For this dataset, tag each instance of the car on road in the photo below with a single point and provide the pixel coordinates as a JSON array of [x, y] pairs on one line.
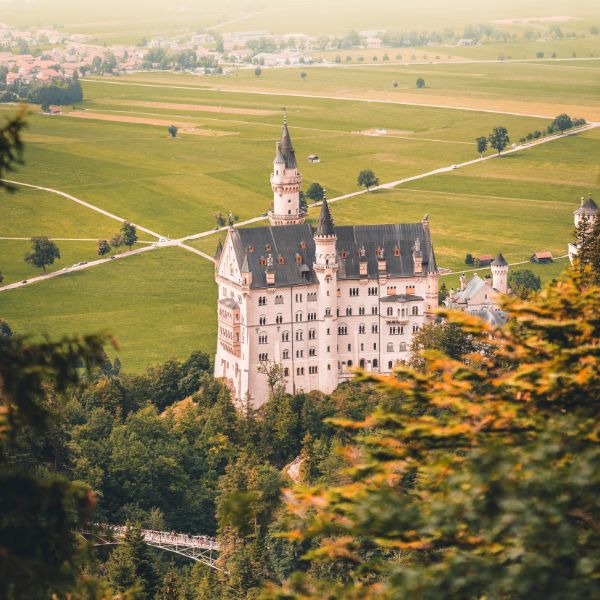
[[455, 166], [113, 257], [24, 281]]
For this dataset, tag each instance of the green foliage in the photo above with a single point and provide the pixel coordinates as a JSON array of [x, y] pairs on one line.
[[59, 92], [420, 83], [523, 282], [469, 260], [499, 139], [481, 144], [172, 129], [562, 123], [11, 146], [103, 247], [315, 192], [128, 234], [130, 566], [472, 480], [367, 179], [43, 252], [38, 512], [258, 72]]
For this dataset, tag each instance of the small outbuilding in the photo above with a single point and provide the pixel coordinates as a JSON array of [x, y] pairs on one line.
[[484, 260], [542, 258], [314, 158]]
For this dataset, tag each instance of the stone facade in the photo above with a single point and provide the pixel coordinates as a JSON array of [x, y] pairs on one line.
[[319, 302]]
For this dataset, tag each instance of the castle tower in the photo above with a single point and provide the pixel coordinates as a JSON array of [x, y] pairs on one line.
[[500, 274], [286, 182], [326, 268], [588, 210]]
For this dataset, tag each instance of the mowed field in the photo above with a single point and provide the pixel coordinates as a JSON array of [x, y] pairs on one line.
[[116, 154]]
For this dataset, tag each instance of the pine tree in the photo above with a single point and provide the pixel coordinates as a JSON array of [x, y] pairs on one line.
[[171, 586], [595, 250], [584, 241]]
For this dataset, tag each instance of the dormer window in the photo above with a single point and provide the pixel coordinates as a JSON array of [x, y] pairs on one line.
[[298, 259], [396, 251], [379, 252], [267, 247], [344, 254], [263, 261], [303, 245], [281, 260], [250, 249]]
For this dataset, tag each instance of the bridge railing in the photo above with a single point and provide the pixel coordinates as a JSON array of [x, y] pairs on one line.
[[156, 537]]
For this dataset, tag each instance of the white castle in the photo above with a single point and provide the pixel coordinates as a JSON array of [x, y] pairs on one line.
[[318, 301]]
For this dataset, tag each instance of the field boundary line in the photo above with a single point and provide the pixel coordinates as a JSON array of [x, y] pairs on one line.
[[521, 262], [318, 97], [83, 203]]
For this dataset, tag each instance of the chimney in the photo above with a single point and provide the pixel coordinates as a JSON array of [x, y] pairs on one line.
[[270, 272], [418, 257], [463, 281], [362, 261]]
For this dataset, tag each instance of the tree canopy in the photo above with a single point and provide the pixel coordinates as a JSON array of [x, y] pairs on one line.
[[367, 179], [499, 139], [43, 252]]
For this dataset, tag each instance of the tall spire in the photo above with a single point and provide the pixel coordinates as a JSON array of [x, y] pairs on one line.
[[499, 261], [325, 225], [285, 146]]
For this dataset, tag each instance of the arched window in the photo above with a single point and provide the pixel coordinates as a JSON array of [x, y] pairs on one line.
[[402, 346], [285, 336], [415, 310], [299, 316], [390, 311], [375, 363], [279, 319], [390, 365], [349, 363], [262, 301], [299, 336], [312, 334], [390, 347], [348, 311], [362, 363], [362, 328], [286, 354], [262, 320], [262, 338]]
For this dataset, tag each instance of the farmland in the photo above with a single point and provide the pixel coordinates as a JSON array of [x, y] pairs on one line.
[[114, 152]]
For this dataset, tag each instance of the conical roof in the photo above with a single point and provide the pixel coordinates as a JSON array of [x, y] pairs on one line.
[[279, 158], [245, 267], [499, 261], [325, 223], [286, 148]]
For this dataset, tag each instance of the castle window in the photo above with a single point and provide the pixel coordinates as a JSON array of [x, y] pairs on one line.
[[298, 297], [263, 261], [349, 347], [361, 310], [372, 291], [390, 365], [279, 319], [281, 260], [361, 363], [396, 251], [267, 247], [349, 363], [342, 330], [263, 357], [313, 370], [379, 252], [344, 254], [311, 297], [415, 310], [373, 310], [348, 311], [312, 351], [278, 299], [390, 347], [299, 336], [374, 328], [299, 353], [299, 317], [262, 338], [285, 354], [262, 320], [375, 363], [262, 301], [410, 289], [285, 336], [286, 371], [327, 312], [403, 347], [361, 328], [298, 259], [390, 311], [300, 371], [353, 291], [250, 249], [312, 334], [391, 291], [415, 328], [312, 316], [303, 245]]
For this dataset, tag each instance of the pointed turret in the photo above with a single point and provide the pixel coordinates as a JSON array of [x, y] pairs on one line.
[[325, 225], [286, 183], [499, 261]]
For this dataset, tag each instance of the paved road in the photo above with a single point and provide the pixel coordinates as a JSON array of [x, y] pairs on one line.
[[181, 241], [514, 264]]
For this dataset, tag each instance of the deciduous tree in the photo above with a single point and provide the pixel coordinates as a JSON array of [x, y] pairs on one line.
[[315, 192], [129, 234], [43, 252], [103, 247], [499, 139], [481, 145], [367, 179]]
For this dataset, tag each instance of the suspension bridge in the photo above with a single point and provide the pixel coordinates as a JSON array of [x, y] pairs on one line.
[[199, 548]]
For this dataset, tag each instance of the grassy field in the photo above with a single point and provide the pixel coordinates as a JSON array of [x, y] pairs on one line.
[[162, 303], [158, 305]]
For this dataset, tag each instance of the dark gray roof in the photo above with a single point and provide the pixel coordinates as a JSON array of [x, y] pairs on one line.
[[219, 250], [229, 302], [499, 261], [588, 205], [296, 246], [401, 298], [325, 222], [286, 149]]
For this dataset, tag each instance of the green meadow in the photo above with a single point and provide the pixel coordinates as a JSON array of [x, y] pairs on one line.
[[162, 303], [158, 305]]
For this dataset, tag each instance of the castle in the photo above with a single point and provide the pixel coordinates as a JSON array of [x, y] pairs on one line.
[[589, 211], [317, 301]]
